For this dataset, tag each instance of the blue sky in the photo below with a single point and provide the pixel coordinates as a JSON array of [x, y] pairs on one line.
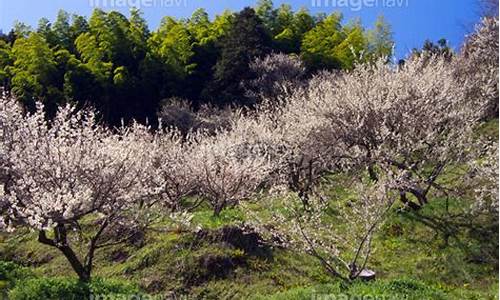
[[413, 21]]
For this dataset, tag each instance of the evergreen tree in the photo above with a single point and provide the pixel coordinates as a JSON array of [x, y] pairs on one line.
[[380, 39], [45, 30], [21, 30], [319, 44], [62, 30], [205, 36], [440, 48], [5, 61], [246, 40], [78, 26], [351, 49], [266, 12], [33, 73]]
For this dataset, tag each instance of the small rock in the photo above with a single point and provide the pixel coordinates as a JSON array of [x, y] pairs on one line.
[[367, 275]]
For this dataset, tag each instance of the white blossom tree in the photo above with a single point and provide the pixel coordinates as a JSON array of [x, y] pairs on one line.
[[233, 165], [477, 65], [482, 180], [416, 118], [171, 168], [277, 75], [405, 125], [57, 174], [338, 232], [301, 161]]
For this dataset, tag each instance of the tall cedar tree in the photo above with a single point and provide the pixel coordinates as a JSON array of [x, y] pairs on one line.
[[246, 40]]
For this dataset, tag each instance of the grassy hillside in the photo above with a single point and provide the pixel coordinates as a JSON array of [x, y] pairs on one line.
[[221, 264], [417, 255]]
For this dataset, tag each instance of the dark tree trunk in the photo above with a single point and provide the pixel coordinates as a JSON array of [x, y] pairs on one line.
[[421, 196], [304, 197], [407, 202], [219, 207], [60, 242], [372, 173]]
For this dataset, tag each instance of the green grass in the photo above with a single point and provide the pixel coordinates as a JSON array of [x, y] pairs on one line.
[[411, 260], [489, 129], [384, 289], [206, 219]]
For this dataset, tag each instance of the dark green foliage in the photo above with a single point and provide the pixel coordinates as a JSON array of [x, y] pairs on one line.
[[333, 46], [69, 289], [430, 48], [291, 28], [113, 51], [10, 275], [50, 289], [6, 59], [33, 74], [62, 30], [118, 66], [18, 282], [247, 40]]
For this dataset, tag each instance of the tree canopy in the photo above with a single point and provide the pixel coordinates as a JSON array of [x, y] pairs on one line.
[[116, 64]]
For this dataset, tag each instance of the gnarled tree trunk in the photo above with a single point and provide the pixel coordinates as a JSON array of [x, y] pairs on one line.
[[60, 242]]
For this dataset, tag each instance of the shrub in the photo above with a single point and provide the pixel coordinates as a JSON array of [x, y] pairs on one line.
[[50, 288], [10, 273], [397, 289], [180, 114], [112, 287], [69, 289]]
